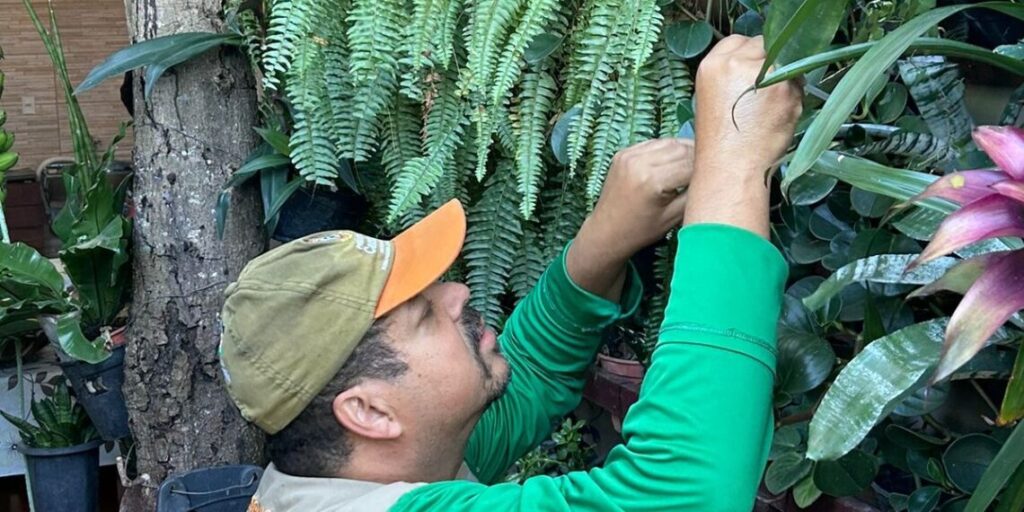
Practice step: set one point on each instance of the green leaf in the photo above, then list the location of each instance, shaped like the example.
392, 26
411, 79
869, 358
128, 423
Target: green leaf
892, 103
68, 328
786, 471
886, 268
899, 184
967, 459
938, 90
688, 39
543, 45
26, 266
924, 499
277, 140
811, 188
749, 24
1002, 467
912, 439
923, 401
786, 440
847, 476
282, 196
162, 52
795, 29
1012, 500
1014, 51
560, 135
868, 204
805, 359
806, 493
1013, 403
872, 384
848, 93
921, 45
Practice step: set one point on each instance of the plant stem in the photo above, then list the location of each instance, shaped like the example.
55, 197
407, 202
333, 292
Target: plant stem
984, 396
718, 34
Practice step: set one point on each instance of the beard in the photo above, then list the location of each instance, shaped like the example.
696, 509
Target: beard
473, 327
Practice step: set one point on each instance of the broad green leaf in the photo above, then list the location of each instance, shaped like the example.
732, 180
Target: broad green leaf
847, 94
1009, 459
560, 135
920, 223
871, 385
886, 268
899, 184
806, 493
1013, 403
924, 499
805, 359
811, 188
806, 250
786, 440
749, 24
68, 329
938, 91
688, 39
923, 401
277, 140
847, 476
921, 45
892, 103
543, 45
1014, 51
161, 52
786, 471
25, 265
912, 439
868, 204
1012, 499
283, 195
825, 225
967, 459
794, 29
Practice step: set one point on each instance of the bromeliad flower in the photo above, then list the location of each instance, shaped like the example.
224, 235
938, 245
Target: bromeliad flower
991, 205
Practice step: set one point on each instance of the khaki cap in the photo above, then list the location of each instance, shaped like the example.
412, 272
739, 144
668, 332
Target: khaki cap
297, 312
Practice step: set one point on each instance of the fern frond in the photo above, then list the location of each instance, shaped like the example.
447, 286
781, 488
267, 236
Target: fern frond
664, 256
491, 241
538, 14
428, 16
444, 130
290, 22
374, 37
401, 141
529, 260
484, 122
312, 149
563, 207
488, 27
535, 103
608, 137
647, 28
675, 87
599, 52
938, 91
358, 129
641, 101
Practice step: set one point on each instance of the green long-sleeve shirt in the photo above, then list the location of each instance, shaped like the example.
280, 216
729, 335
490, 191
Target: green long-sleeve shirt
697, 438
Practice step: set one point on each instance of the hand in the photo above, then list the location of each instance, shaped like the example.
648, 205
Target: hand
732, 158
643, 198
764, 118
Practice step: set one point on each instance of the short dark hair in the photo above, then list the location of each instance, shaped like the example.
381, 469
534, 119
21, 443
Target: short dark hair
314, 444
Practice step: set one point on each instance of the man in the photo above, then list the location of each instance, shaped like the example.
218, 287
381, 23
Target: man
382, 390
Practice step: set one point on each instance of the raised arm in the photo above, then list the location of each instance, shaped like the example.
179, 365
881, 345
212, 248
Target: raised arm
697, 439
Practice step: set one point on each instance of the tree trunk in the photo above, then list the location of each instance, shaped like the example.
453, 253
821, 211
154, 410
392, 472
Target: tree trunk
195, 130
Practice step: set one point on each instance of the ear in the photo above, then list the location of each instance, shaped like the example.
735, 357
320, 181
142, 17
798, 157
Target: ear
364, 411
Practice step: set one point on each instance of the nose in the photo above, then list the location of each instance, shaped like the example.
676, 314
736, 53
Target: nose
452, 297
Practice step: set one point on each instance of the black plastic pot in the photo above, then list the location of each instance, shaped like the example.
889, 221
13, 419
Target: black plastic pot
98, 389
311, 211
64, 479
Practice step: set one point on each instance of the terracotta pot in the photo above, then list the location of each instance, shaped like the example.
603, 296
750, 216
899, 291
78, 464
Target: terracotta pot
621, 367
117, 336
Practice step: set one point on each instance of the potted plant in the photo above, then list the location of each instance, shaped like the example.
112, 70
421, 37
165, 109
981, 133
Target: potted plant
61, 453
94, 234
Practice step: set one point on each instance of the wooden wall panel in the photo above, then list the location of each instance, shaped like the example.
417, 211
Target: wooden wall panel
91, 30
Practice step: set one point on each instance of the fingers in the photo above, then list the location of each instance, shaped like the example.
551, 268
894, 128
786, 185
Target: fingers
729, 44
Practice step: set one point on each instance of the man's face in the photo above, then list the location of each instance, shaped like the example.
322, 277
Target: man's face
455, 365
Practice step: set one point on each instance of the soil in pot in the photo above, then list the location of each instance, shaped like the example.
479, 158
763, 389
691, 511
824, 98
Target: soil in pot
98, 388
64, 479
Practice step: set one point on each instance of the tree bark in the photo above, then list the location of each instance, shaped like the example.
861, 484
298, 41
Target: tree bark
191, 135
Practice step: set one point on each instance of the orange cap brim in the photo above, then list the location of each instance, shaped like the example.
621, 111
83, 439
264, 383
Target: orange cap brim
423, 253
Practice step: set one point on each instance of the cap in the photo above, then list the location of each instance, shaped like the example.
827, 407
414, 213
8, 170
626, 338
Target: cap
297, 312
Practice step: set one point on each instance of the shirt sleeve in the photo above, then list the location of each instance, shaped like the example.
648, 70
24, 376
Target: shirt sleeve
698, 437
550, 340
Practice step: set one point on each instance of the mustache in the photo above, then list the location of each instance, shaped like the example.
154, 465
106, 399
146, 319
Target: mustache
472, 325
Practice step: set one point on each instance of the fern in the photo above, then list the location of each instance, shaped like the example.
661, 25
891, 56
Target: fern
290, 22
488, 25
536, 101
675, 87
312, 151
563, 208
491, 241
538, 14
530, 263
646, 28
938, 92
375, 35
444, 129
607, 139
401, 135
640, 95
428, 16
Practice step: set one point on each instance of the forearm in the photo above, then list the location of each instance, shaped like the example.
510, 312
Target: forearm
595, 264
728, 191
